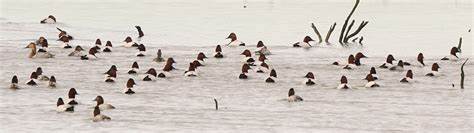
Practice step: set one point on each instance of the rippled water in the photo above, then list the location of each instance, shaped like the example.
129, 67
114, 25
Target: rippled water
184, 28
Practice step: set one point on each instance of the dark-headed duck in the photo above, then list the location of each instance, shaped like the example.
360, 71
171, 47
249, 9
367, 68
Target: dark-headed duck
359, 56
130, 84
91, 55
388, 62
344, 84
420, 59
150, 75
452, 54
398, 67
434, 70
167, 68
61, 107
33, 79
134, 69
408, 77
128, 42
191, 72
159, 57
309, 79
370, 82
100, 103
14, 84
141, 50
72, 96
262, 49
201, 56
304, 43
245, 70
49, 20
248, 57
108, 47
350, 62
77, 51
99, 117
218, 51
233, 40
272, 77
52, 82
292, 97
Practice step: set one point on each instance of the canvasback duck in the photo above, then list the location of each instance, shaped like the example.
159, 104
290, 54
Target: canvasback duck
388, 62
373, 73
52, 82
108, 47
305, 43
196, 64
350, 62
33, 79
64, 42
112, 68
111, 76
150, 75
159, 57
141, 50
191, 70
130, 84
100, 103
263, 68
420, 59
245, 70
98, 44
14, 84
248, 58
371, 82
452, 54
77, 51
39, 72
262, 49
134, 69
292, 97
200, 58
99, 117
140, 32
61, 107
35, 54
49, 20
43, 43
344, 84
218, 52
358, 57
129, 42
233, 40
398, 67
261, 58
272, 77
64, 33
72, 96
408, 77
309, 79
168, 68
434, 70
91, 55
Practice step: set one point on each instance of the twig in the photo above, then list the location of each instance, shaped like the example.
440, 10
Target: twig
355, 39
317, 32
462, 74
217, 106
459, 44
360, 40
328, 35
361, 26
348, 30
347, 20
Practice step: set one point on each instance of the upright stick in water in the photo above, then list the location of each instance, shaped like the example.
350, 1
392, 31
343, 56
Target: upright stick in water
462, 74
459, 44
217, 106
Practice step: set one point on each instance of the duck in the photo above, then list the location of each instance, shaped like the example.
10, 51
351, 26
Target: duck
420, 59
408, 77
151, 75
99, 117
64, 42
33, 79
39, 72
108, 47
309, 79
77, 52
129, 42
434, 70
263, 68
52, 82
358, 57
168, 68
191, 72
304, 43
373, 73
141, 50
61, 107
389, 62
272, 77
218, 51
112, 68
261, 59
64, 33
100, 103
35, 54
14, 84
452, 55
398, 67
371, 82
200, 58
43, 43
292, 97
130, 84
158, 57
111, 76
98, 44
344, 84
49, 20
350, 63
245, 70
233, 40
262, 49
72, 96
91, 55
134, 69
248, 58
140, 32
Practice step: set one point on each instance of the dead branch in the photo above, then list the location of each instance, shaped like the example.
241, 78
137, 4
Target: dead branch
361, 39
361, 26
462, 74
459, 44
317, 32
331, 29
355, 39
217, 106
348, 30
346, 21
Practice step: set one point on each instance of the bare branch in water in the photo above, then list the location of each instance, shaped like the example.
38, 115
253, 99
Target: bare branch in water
361, 26
331, 29
361, 39
459, 44
462, 74
317, 32
355, 39
347, 20
217, 106
348, 30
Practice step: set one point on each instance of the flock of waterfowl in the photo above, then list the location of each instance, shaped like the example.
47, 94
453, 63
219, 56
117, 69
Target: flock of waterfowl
259, 65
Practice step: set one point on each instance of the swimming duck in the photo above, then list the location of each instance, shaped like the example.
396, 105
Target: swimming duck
130, 84
64, 33
99, 117
344, 84
61, 107
434, 70
33, 78
452, 54
272, 77
100, 103
200, 58
129, 43
305, 43
39, 72
292, 97
14, 84
52, 82
98, 44
158, 57
77, 51
408, 77
134, 69
245, 70
111, 76
359, 56
141, 50
91, 55
72, 96
248, 58
233, 40
370, 82
49, 20
151, 75
43, 43
389, 62
108, 47
309, 79
263, 68
398, 67
350, 62
168, 68
191, 70
218, 52
35, 54
262, 49
261, 59
373, 73
64, 42
140, 32
420, 59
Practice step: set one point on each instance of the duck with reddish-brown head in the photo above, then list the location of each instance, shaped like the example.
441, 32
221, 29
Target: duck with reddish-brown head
49, 20
14, 83
128, 42
370, 82
248, 58
78, 52
305, 43
245, 71
262, 49
141, 50
452, 54
344, 84
388, 62
150, 75
272, 78
434, 70
292, 97
91, 55
33, 79
408, 77
233, 41
218, 51
167, 68
108, 47
129, 85
61, 107
309, 79
134, 69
